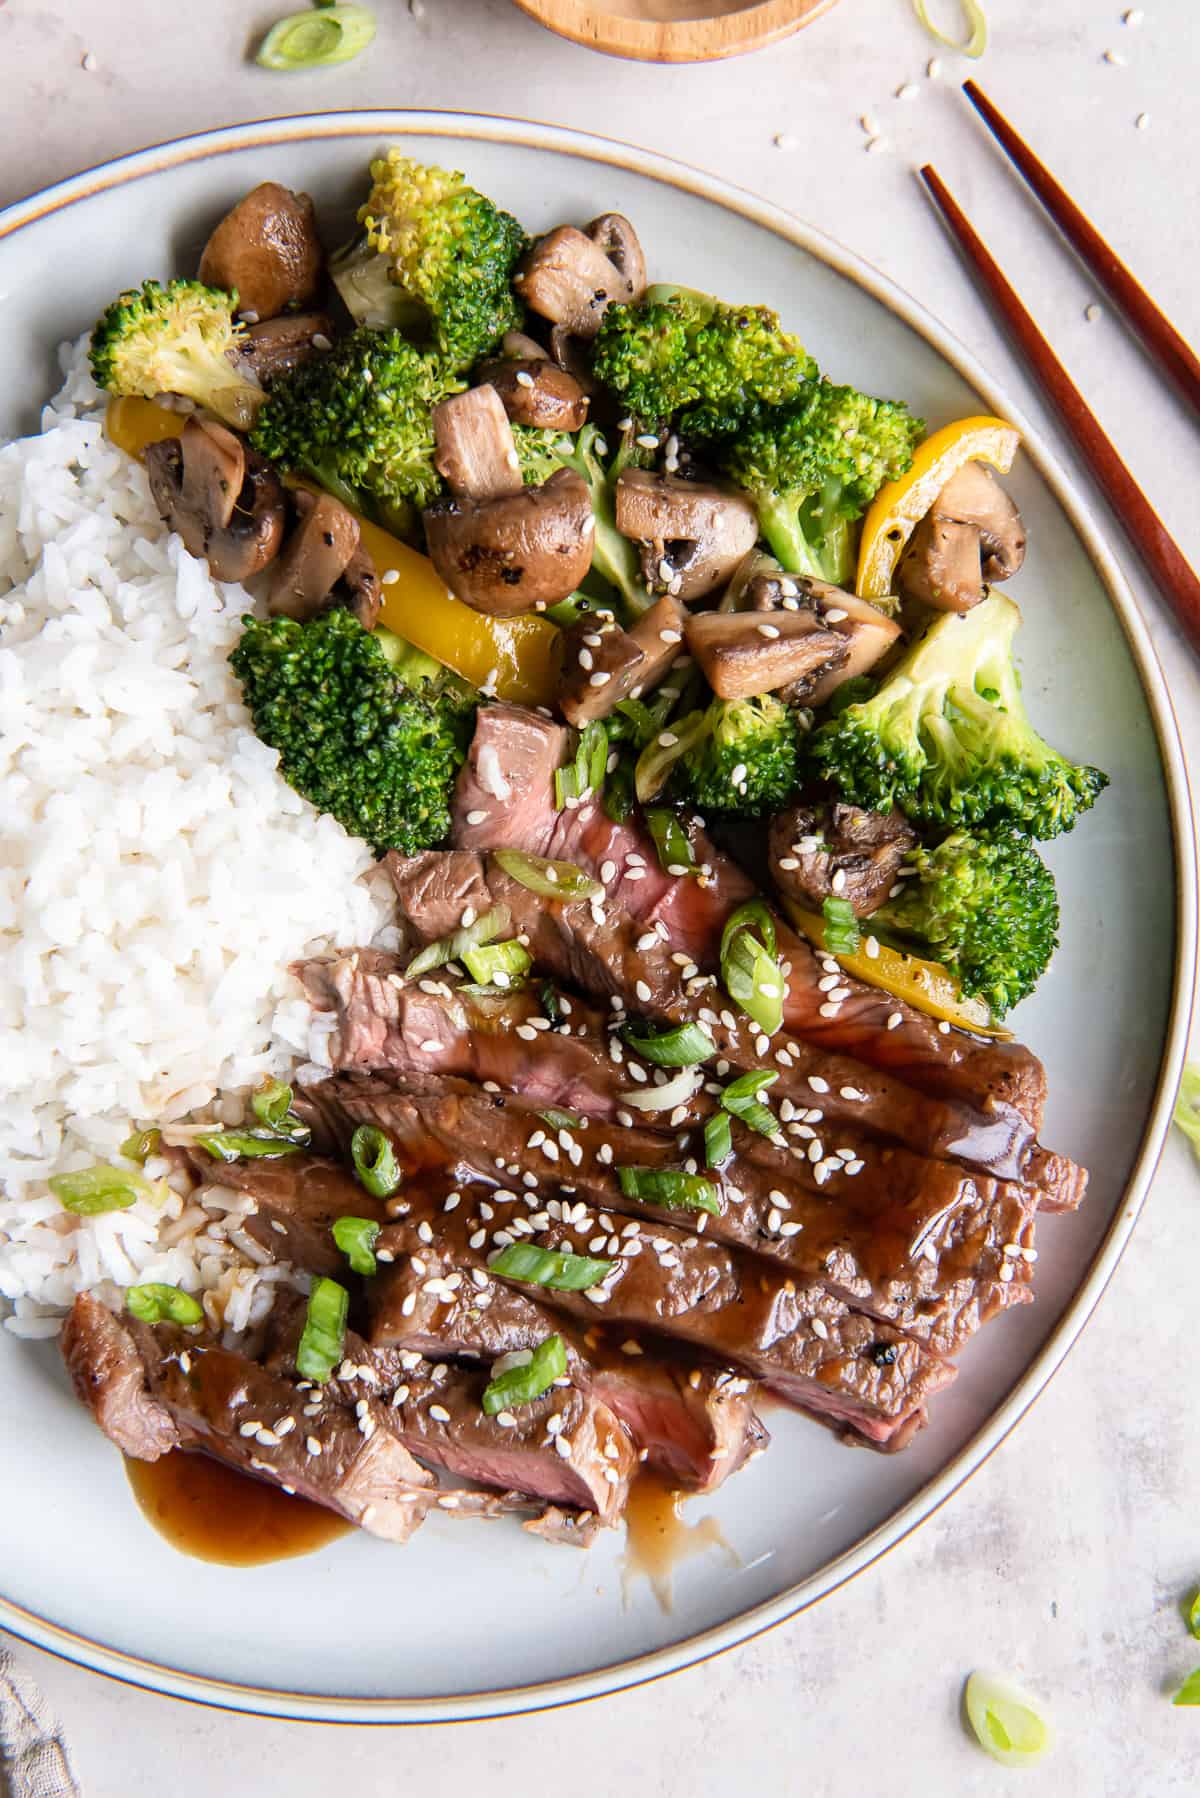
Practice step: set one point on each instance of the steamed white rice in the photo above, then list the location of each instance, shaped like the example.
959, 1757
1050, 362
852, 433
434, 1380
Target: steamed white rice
157, 874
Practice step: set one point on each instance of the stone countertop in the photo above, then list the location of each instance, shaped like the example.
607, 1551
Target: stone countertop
1065, 1558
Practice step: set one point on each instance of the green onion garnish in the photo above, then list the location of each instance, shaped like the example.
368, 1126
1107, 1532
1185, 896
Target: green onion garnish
657, 759
141, 1145
272, 1106
1007, 1721
842, 934
521, 1384
671, 840
356, 1236
246, 1145
550, 1005
449, 948
560, 1120
1189, 1691
637, 723
549, 879
498, 964
375, 1161
555, 1268
670, 1187
741, 1100
94, 1190
586, 773
753, 979
315, 40
682, 1047
755, 916
619, 797
977, 24
1186, 1115
718, 1140
324, 1335
1193, 1616
155, 1304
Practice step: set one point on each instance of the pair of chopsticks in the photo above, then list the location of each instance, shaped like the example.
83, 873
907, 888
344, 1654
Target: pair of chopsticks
1175, 577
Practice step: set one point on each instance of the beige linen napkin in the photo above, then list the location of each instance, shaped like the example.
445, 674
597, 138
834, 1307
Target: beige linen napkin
33, 1756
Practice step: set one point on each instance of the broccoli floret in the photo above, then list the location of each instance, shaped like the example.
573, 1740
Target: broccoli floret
813, 467
352, 737
435, 258
614, 557
678, 352
176, 339
746, 762
358, 419
947, 737
986, 906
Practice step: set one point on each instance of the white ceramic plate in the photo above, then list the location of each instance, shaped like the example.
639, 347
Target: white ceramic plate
470, 1622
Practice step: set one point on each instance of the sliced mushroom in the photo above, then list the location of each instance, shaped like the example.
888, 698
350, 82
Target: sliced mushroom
358, 591
868, 634
972, 534
315, 556
476, 452
191, 482
267, 250
694, 535
818, 852
518, 552
620, 243
535, 391
743, 653
281, 344
568, 278
523, 348
631, 662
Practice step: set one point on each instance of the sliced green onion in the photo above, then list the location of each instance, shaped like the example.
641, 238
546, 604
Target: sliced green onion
570, 610
246, 1145
520, 1385
550, 1005
555, 1268
141, 1145
670, 1187
619, 796
566, 785
754, 981
549, 879
356, 1237
680, 1090
1189, 1691
324, 1335
155, 1304
1187, 1106
499, 964
449, 948
94, 1190
675, 852
586, 773
741, 1100
1193, 1616
272, 1106
560, 1120
635, 722
977, 25
718, 1140
755, 916
657, 759
682, 1047
316, 40
842, 933
1007, 1721
375, 1161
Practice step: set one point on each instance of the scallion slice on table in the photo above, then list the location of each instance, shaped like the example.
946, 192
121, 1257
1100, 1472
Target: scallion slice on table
521, 1384
1186, 1115
675, 854
977, 27
484, 929
324, 1335
141, 1145
91, 1191
1006, 1721
682, 1047
548, 879
498, 964
742, 1099
272, 1106
718, 1140
316, 40
246, 1145
842, 934
1189, 1691
374, 1161
753, 978
557, 1269
671, 1188
356, 1237
156, 1304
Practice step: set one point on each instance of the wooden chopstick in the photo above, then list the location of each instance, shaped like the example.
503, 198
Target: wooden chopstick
1142, 525
1165, 346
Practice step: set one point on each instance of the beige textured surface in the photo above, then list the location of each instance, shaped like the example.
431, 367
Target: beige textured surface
1066, 1557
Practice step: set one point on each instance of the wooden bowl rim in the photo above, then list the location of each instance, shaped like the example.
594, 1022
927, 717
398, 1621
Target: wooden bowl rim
684, 40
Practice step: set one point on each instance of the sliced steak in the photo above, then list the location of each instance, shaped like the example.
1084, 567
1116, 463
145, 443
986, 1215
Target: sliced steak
298, 1199
109, 1376
517, 811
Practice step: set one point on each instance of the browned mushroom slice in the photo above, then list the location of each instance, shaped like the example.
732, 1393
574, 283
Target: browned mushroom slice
972, 534
694, 536
281, 344
315, 556
535, 391
620, 243
267, 250
631, 662
523, 348
476, 453
358, 591
214, 470
568, 278
817, 852
252, 532
517, 552
865, 631
742, 653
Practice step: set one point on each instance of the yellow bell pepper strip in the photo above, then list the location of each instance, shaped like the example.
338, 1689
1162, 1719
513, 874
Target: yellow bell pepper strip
900, 505
515, 658
927, 986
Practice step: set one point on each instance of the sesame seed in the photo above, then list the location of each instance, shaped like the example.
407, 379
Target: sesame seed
820, 1329
607, 871
895, 1020
835, 614
389, 577
790, 1229
599, 679
818, 1085
855, 1166
512, 458
770, 631
1133, 17
774, 1219
477, 1240
933, 67
1115, 58
524, 378
1006, 1270
312, 1445
586, 660
838, 882
815, 1152
669, 636
409, 1305
867, 123
1142, 121
944, 1028
853, 1094
647, 441
87, 62
527, 1033
877, 145
476, 817
439, 1413
830, 1009
908, 91
604, 1154
562, 1447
